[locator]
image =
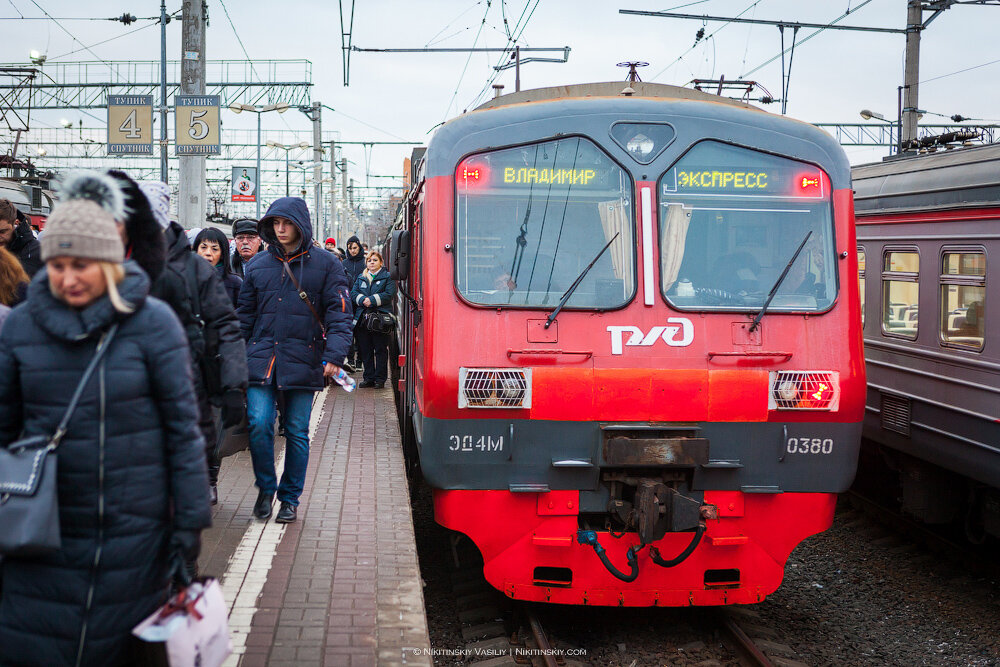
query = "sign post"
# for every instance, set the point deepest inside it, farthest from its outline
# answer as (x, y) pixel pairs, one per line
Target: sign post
(130, 125)
(196, 125)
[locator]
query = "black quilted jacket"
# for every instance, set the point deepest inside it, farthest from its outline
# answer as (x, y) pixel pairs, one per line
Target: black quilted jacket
(131, 467)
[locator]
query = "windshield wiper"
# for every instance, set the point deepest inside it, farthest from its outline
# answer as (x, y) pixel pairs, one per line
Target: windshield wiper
(777, 284)
(576, 283)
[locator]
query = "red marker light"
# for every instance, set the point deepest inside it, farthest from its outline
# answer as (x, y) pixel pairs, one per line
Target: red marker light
(471, 175)
(807, 182)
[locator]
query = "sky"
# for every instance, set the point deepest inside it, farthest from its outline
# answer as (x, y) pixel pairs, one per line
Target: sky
(395, 97)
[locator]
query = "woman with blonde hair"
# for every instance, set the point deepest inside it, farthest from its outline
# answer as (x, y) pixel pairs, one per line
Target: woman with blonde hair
(13, 279)
(131, 480)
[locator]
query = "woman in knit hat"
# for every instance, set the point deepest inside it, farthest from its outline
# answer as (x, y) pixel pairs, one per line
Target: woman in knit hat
(132, 484)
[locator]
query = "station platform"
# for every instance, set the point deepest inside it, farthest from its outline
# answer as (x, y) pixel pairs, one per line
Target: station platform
(340, 586)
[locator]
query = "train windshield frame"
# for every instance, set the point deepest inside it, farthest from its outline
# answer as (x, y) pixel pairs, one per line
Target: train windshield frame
(530, 218)
(731, 218)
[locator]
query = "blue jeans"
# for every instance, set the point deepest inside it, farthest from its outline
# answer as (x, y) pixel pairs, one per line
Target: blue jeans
(260, 417)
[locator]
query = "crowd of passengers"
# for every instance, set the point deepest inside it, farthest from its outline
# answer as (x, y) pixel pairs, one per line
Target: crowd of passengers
(200, 338)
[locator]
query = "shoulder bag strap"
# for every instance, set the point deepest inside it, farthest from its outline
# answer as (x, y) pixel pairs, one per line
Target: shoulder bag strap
(102, 347)
(303, 296)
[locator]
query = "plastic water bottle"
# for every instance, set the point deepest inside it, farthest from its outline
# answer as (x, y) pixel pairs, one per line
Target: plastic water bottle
(345, 380)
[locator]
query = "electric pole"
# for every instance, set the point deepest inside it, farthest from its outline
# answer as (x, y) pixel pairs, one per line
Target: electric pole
(191, 189)
(318, 167)
(163, 92)
(911, 71)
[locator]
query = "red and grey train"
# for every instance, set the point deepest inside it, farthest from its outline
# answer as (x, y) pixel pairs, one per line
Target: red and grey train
(630, 354)
(928, 242)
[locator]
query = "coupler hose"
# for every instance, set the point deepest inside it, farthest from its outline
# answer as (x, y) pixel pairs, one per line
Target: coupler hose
(590, 537)
(654, 553)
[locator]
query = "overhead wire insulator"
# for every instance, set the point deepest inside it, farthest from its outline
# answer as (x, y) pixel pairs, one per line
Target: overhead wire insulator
(127, 18)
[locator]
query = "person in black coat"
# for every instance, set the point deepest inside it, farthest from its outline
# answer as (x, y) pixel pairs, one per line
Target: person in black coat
(293, 345)
(213, 246)
(195, 293)
(16, 236)
(247, 244)
(132, 484)
(354, 265)
(373, 292)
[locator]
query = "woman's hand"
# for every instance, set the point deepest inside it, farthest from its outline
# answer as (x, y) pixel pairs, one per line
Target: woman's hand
(367, 301)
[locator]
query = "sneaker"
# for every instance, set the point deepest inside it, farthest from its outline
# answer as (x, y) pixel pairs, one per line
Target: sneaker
(286, 514)
(349, 368)
(262, 508)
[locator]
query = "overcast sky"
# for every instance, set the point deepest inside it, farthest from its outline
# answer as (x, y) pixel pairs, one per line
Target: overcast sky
(834, 74)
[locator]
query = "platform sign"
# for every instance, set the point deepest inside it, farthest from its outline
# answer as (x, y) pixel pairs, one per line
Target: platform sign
(130, 124)
(196, 129)
(244, 184)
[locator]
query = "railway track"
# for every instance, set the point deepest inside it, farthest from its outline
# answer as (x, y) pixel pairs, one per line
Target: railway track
(980, 560)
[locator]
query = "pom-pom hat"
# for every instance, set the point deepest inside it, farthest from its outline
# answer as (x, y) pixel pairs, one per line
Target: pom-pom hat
(82, 224)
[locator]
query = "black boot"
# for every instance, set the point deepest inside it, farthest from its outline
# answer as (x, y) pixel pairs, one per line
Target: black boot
(262, 508)
(213, 494)
(286, 514)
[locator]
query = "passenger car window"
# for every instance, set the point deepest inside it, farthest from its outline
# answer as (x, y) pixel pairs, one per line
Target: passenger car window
(530, 219)
(963, 295)
(900, 292)
(731, 220)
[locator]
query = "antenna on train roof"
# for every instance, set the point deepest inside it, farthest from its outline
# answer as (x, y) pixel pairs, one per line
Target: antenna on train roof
(633, 75)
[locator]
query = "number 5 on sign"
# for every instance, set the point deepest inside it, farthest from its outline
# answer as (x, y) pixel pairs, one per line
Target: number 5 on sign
(130, 124)
(197, 124)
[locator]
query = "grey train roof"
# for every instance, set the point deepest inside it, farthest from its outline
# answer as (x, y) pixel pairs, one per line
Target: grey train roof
(960, 178)
(591, 109)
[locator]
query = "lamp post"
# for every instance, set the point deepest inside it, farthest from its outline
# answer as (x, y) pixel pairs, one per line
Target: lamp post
(280, 107)
(287, 149)
(868, 114)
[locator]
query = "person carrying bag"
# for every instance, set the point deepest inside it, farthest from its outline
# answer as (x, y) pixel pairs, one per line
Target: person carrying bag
(374, 322)
(131, 485)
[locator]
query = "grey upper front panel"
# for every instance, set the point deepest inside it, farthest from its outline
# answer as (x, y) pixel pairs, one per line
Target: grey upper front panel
(693, 120)
(959, 178)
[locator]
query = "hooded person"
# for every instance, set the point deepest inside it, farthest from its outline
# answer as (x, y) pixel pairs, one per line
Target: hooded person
(131, 481)
(197, 296)
(294, 343)
(16, 236)
(354, 262)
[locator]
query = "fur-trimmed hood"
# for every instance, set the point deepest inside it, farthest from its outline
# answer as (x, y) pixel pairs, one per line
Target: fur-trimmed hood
(146, 242)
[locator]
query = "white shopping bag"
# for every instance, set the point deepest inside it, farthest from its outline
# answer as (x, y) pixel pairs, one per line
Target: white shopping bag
(193, 626)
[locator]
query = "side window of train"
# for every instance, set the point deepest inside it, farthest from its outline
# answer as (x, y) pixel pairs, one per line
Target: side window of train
(900, 292)
(731, 219)
(861, 282)
(963, 295)
(529, 220)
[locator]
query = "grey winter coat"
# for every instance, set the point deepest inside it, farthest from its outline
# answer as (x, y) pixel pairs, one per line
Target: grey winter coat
(131, 469)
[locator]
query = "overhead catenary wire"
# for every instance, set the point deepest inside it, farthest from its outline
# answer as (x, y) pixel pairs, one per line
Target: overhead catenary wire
(519, 27)
(961, 71)
(65, 30)
(468, 59)
(155, 22)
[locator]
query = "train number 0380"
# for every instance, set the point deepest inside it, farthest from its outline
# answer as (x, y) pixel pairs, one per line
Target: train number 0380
(809, 446)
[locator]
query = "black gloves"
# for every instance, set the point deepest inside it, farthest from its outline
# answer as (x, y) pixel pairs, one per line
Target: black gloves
(233, 408)
(186, 543)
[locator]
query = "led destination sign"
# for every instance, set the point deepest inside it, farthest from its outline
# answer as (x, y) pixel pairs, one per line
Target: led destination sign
(760, 182)
(473, 174)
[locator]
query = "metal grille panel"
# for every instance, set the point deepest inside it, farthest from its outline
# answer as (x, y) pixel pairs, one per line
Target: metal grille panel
(804, 390)
(896, 413)
(494, 388)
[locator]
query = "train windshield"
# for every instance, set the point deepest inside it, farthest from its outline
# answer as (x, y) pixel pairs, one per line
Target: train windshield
(731, 219)
(530, 219)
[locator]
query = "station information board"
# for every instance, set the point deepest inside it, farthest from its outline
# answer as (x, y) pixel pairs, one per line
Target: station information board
(196, 125)
(130, 125)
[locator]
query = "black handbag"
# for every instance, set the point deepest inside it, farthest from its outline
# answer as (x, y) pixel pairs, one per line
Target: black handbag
(379, 322)
(29, 504)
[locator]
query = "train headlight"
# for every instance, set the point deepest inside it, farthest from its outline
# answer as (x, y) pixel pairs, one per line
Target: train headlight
(494, 388)
(804, 390)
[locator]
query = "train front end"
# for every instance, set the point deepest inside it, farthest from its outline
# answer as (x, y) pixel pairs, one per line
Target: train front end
(636, 378)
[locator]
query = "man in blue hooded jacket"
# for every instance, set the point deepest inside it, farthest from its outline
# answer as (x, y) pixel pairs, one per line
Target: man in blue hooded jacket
(294, 343)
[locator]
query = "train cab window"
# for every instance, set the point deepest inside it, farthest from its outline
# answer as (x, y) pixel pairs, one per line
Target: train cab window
(731, 219)
(861, 282)
(900, 291)
(963, 294)
(531, 219)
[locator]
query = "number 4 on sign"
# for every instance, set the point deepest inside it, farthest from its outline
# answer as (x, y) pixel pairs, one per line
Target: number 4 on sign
(129, 127)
